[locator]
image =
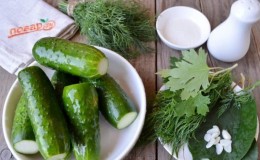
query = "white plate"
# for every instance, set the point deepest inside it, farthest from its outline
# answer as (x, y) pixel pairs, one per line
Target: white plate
(115, 144)
(184, 152)
(182, 27)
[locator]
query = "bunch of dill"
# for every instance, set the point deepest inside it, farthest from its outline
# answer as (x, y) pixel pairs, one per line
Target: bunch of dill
(123, 26)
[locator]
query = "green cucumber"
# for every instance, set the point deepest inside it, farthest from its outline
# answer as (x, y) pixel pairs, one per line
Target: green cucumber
(61, 79)
(118, 109)
(81, 105)
(47, 120)
(71, 57)
(22, 133)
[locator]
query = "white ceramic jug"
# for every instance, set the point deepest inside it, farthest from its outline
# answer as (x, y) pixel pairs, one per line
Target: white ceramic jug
(230, 40)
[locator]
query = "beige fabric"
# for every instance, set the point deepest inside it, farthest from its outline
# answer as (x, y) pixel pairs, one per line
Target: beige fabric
(25, 22)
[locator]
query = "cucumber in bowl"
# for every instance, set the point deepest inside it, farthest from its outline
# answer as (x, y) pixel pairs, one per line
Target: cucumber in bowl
(115, 105)
(123, 140)
(81, 106)
(43, 108)
(23, 137)
(71, 57)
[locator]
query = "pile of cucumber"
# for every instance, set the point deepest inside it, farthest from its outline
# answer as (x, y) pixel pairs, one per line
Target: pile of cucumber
(62, 114)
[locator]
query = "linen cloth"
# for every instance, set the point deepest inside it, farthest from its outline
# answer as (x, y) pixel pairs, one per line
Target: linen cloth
(25, 22)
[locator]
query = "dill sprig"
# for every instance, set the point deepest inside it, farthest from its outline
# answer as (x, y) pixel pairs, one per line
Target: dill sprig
(236, 99)
(172, 129)
(175, 130)
(122, 26)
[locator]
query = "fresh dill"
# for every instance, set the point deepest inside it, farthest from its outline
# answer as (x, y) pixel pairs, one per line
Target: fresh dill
(175, 128)
(123, 26)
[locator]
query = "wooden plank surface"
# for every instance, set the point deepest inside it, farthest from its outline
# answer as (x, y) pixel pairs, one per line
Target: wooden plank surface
(147, 65)
(164, 53)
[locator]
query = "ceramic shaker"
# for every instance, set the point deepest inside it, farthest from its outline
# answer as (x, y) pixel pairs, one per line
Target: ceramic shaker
(230, 40)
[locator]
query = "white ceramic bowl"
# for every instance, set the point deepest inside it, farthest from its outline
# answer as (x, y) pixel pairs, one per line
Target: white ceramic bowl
(115, 144)
(183, 27)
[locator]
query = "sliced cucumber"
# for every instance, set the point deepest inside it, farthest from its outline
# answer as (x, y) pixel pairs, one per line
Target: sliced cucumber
(22, 132)
(46, 117)
(81, 105)
(126, 120)
(26, 147)
(114, 104)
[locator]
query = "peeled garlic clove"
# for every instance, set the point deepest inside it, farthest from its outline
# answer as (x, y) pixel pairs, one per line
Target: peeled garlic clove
(226, 135)
(211, 143)
(219, 149)
(215, 135)
(217, 140)
(213, 130)
(216, 127)
(228, 148)
(207, 137)
(225, 142)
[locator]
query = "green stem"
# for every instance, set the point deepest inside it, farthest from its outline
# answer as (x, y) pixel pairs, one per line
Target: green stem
(224, 70)
(63, 5)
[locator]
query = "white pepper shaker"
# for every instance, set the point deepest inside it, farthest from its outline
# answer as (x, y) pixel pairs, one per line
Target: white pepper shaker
(230, 40)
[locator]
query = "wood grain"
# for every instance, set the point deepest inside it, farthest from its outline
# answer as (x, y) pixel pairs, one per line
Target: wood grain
(164, 53)
(145, 66)
(6, 80)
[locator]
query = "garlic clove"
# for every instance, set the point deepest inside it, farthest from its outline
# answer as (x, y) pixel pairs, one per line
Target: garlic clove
(210, 143)
(225, 142)
(228, 148)
(216, 127)
(207, 137)
(215, 135)
(226, 135)
(213, 130)
(217, 140)
(219, 149)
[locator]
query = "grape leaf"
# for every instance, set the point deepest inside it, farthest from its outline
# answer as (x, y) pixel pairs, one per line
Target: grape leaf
(201, 102)
(189, 75)
(193, 104)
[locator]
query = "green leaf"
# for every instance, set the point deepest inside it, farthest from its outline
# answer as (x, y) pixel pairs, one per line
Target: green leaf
(240, 123)
(190, 74)
(188, 107)
(173, 61)
(42, 20)
(185, 108)
(201, 102)
(252, 153)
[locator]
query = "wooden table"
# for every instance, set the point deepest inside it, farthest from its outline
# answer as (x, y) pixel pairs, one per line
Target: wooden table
(148, 64)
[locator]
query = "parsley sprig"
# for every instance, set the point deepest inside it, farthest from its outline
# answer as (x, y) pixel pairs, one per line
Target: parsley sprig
(191, 76)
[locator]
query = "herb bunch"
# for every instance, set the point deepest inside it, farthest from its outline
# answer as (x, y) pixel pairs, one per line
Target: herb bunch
(122, 26)
(192, 90)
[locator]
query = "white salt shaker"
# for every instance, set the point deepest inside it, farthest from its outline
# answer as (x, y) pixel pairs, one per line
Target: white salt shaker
(230, 40)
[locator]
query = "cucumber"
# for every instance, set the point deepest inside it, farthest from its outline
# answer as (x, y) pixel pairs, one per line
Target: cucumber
(61, 79)
(22, 133)
(81, 105)
(47, 120)
(71, 57)
(118, 109)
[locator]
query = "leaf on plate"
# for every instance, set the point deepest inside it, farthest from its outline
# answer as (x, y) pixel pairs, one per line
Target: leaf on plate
(193, 104)
(252, 153)
(189, 75)
(241, 124)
